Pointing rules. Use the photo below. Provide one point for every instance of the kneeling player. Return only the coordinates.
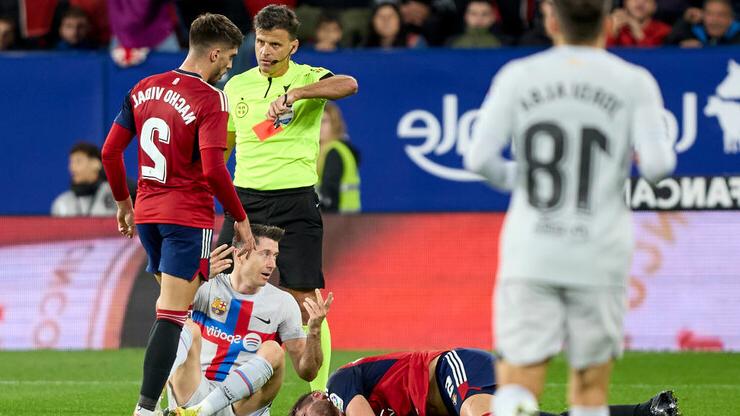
(459, 382)
(230, 361)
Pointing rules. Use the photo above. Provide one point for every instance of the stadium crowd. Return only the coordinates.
(130, 28)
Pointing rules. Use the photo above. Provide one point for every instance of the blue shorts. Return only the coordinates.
(177, 250)
(462, 373)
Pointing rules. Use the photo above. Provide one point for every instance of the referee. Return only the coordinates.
(275, 117)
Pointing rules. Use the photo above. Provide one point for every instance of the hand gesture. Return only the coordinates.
(280, 106)
(317, 309)
(691, 43)
(693, 15)
(125, 218)
(619, 19)
(243, 233)
(220, 259)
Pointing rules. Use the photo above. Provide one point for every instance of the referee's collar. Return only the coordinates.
(192, 74)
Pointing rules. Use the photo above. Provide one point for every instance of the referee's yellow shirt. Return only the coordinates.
(287, 158)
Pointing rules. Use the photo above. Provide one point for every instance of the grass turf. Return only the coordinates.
(107, 382)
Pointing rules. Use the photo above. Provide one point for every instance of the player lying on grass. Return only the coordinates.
(230, 361)
(458, 382)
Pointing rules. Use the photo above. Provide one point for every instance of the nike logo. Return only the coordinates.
(265, 321)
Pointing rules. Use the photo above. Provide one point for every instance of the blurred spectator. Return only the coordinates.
(714, 25)
(8, 34)
(634, 25)
(387, 29)
(353, 16)
(97, 12)
(74, 30)
(139, 26)
(328, 34)
(517, 16)
(89, 194)
(479, 20)
(339, 178)
(435, 21)
(537, 35)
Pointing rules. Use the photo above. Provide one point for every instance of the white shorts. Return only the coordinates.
(204, 388)
(533, 321)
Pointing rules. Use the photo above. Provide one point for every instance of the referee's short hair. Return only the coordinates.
(277, 17)
(260, 231)
(581, 21)
(209, 29)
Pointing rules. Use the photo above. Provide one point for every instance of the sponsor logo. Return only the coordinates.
(439, 139)
(684, 193)
(336, 401)
(249, 343)
(725, 107)
(265, 321)
(446, 140)
(219, 307)
(215, 332)
(252, 343)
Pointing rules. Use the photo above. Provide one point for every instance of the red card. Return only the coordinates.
(266, 129)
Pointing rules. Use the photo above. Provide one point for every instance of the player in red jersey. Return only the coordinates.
(457, 382)
(180, 120)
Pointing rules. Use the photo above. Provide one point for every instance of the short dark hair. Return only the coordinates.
(315, 407)
(325, 18)
(277, 17)
(261, 231)
(74, 12)
(210, 28)
(90, 150)
(580, 20)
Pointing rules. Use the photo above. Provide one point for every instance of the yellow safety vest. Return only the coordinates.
(349, 184)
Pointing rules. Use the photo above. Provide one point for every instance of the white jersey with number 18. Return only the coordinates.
(574, 115)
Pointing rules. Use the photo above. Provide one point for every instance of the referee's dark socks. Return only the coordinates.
(160, 355)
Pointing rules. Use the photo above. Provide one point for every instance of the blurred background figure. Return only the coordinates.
(339, 177)
(634, 25)
(89, 194)
(435, 21)
(714, 25)
(353, 16)
(75, 30)
(479, 20)
(328, 34)
(139, 26)
(8, 34)
(537, 35)
(387, 30)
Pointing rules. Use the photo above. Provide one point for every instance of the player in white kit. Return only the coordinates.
(230, 361)
(576, 116)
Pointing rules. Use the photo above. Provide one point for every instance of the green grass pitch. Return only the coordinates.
(107, 382)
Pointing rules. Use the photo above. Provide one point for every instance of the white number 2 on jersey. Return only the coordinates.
(159, 171)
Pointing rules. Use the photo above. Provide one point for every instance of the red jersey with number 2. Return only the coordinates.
(175, 114)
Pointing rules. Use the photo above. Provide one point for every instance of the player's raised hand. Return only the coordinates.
(125, 217)
(220, 259)
(243, 233)
(317, 309)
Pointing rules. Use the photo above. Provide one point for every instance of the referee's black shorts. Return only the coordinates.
(297, 211)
